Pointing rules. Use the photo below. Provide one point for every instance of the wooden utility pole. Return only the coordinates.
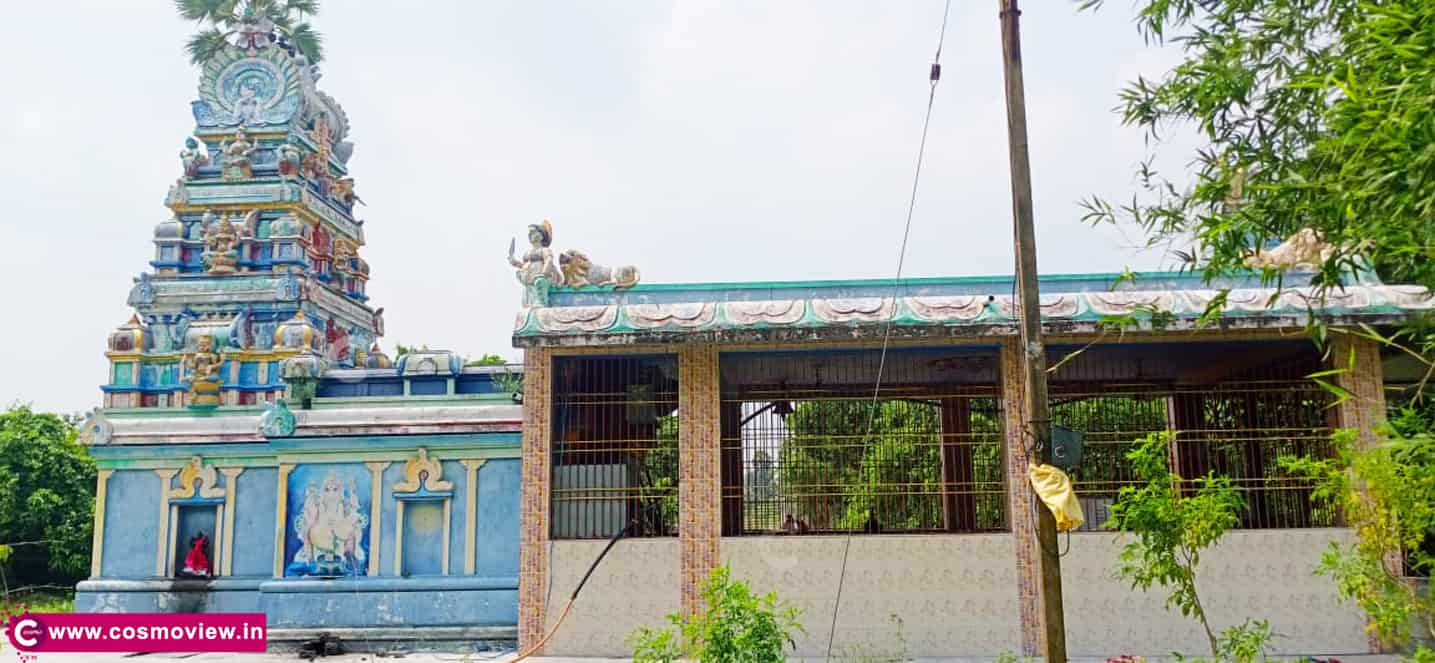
(1033, 350)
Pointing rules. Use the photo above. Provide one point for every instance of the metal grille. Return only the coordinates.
(807, 450)
(1237, 421)
(615, 446)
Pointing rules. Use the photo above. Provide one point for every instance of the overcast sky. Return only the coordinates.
(699, 140)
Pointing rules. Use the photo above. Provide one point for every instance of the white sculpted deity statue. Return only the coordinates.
(247, 109)
(236, 156)
(193, 156)
(537, 269)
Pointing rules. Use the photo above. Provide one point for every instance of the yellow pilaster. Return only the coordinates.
(173, 528)
(281, 508)
(161, 557)
(398, 537)
(470, 517)
(102, 482)
(375, 513)
(226, 558)
(447, 516)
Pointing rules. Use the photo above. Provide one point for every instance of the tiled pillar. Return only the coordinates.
(1020, 499)
(533, 512)
(699, 470)
(1364, 379)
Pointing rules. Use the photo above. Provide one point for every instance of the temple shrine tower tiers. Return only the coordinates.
(256, 275)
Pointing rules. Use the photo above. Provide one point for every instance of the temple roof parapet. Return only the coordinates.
(816, 310)
(151, 427)
(348, 402)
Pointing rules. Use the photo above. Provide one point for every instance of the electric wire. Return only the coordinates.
(538, 646)
(933, 78)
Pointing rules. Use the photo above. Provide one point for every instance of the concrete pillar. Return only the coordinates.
(699, 470)
(1020, 499)
(534, 504)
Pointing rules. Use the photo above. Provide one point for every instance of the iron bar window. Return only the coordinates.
(615, 446)
(1236, 410)
(806, 449)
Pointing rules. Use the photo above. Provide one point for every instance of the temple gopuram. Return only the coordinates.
(854, 445)
(257, 451)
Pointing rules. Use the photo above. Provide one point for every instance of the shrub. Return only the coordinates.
(738, 626)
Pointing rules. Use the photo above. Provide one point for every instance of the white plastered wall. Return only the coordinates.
(635, 585)
(1256, 574)
(954, 594)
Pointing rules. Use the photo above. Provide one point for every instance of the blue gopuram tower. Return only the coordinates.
(256, 274)
(256, 452)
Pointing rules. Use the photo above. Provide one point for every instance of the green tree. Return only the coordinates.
(658, 479)
(760, 482)
(844, 460)
(1314, 114)
(1172, 529)
(225, 18)
(47, 494)
(899, 477)
(1387, 492)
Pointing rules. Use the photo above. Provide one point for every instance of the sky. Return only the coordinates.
(699, 140)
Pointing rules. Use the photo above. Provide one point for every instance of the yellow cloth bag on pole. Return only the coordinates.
(1054, 488)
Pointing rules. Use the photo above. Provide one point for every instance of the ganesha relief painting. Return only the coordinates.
(328, 518)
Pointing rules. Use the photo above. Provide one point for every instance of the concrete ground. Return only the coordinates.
(429, 657)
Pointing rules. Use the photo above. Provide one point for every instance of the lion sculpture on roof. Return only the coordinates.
(579, 271)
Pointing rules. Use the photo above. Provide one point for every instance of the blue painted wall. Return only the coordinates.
(455, 472)
(131, 524)
(497, 524)
(412, 602)
(424, 598)
(254, 503)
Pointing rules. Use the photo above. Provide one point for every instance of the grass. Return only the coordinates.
(43, 600)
